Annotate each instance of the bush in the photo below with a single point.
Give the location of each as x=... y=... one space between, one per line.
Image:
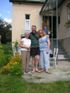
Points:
x=5 y=54
x=7 y=48
x=13 y=67
x=2 y=58
x=68 y=22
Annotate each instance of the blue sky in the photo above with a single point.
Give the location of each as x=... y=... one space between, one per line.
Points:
x=6 y=10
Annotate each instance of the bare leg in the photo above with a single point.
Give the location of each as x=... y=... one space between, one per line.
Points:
x=33 y=64
x=36 y=62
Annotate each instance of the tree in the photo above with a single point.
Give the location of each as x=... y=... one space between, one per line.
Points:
x=5 y=31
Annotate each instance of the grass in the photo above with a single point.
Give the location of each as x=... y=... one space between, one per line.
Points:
x=10 y=83
x=14 y=84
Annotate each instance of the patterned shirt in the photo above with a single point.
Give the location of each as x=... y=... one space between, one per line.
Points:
x=43 y=43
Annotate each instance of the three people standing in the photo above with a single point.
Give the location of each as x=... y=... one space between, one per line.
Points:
x=36 y=44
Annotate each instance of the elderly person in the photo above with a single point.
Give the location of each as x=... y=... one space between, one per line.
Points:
x=44 y=44
x=25 y=44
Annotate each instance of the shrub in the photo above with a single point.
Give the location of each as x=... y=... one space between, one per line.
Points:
x=8 y=48
x=2 y=58
x=68 y=22
x=13 y=67
x=15 y=46
x=5 y=54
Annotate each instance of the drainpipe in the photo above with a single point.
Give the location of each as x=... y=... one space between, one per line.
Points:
x=56 y=29
x=52 y=26
x=48 y=15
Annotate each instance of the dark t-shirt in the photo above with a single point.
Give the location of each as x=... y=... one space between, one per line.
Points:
x=34 y=39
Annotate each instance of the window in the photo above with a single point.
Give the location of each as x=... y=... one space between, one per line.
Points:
x=27 y=22
x=68 y=11
x=27 y=16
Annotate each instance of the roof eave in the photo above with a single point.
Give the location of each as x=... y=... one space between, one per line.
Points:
x=21 y=1
x=53 y=8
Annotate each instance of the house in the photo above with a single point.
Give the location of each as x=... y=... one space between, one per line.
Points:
x=59 y=21
x=64 y=26
x=25 y=13
x=54 y=13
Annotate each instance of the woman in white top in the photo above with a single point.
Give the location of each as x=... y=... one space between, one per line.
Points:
x=25 y=44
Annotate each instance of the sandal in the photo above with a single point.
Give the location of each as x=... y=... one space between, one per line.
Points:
x=47 y=72
x=33 y=70
x=37 y=70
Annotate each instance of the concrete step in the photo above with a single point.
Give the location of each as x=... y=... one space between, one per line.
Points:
x=61 y=53
x=63 y=56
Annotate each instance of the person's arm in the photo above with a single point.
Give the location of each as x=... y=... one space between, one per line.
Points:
x=22 y=45
x=48 y=43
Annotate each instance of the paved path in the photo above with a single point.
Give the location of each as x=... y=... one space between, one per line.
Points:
x=60 y=72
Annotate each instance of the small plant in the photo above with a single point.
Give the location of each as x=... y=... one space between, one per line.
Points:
x=67 y=24
x=15 y=47
x=16 y=43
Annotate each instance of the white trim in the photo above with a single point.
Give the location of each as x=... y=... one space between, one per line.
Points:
x=27 y=25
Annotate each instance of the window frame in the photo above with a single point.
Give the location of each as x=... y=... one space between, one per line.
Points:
x=27 y=23
x=68 y=11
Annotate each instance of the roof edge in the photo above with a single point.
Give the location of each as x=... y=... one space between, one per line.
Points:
x=21 y=1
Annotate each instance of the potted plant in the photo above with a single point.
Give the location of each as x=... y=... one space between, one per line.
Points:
x=67 y=24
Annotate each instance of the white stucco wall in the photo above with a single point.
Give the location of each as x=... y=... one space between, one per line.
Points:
x=18 y=23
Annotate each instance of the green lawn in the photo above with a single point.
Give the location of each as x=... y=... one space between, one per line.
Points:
x=15 y=84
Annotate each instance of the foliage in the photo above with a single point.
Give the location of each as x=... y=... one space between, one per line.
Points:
x=5 y=31
x=7 y=48
x=14 y=66
x=5 y=54
x=67 y=24
x=2 y=58
x=16 y=47
x=9 y=63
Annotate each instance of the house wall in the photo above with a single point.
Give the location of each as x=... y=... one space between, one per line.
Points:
x=64 y=31
x=18 y=23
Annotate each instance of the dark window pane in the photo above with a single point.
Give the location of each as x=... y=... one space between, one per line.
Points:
x=27 y=16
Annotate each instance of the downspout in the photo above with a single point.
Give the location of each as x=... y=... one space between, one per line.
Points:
x=57 y=28
x=52 y=27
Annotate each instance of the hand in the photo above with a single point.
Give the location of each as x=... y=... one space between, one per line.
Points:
x=47 y=50
x=28 y=48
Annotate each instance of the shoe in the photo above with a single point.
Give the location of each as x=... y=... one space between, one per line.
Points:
x=25 y=73
x=29 y=72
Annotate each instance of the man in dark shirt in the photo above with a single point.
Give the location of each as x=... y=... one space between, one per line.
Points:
x=34 y=52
